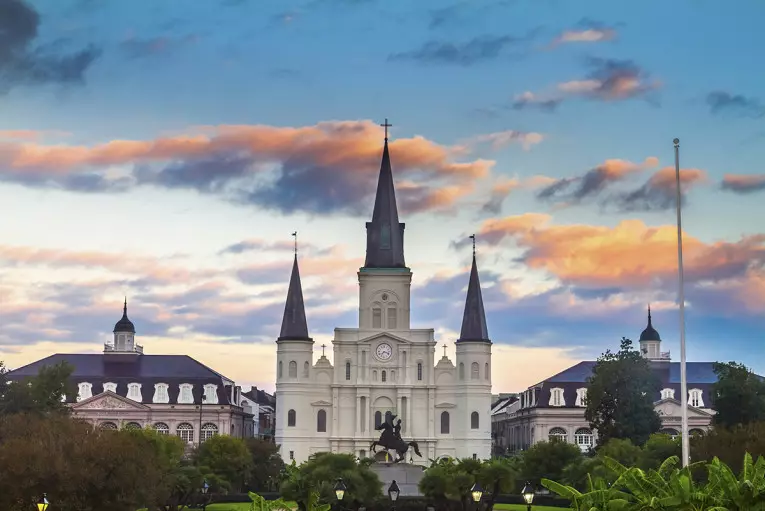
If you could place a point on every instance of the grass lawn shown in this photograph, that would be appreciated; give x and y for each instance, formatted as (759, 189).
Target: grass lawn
(498, 507)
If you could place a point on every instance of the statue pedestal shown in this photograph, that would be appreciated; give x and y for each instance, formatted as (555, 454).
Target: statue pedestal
(407, 477)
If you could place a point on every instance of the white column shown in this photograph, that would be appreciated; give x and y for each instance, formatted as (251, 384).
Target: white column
(409, 427)
(359, 413)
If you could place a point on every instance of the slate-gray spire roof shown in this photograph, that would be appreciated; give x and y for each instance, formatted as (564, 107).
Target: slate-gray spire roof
(124, 324)
(385, 234)
(294, 324)
(474, 319)
(650, 333)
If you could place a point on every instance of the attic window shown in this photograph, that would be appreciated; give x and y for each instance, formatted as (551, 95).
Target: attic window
(160, 393)
(581, 397)
(211, 394)
(185, 396)
(134, 392)
(695, 399)
(668, 393)
(556, 397)
(110, 387)
(85, 391)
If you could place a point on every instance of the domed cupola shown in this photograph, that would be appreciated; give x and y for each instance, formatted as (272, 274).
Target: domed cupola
(650, 342)
(650, 333)
(124, 325)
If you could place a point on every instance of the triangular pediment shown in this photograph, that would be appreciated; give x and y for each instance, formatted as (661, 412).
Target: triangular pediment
(108, 400)
(671, 407)
(385, 335)
(321, 403)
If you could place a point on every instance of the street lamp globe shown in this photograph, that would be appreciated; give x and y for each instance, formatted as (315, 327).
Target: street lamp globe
(340, 489)
(393, 491)
(477, 492)
(528, 493)
(42, 504)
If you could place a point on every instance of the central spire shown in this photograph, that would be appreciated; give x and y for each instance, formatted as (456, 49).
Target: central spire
(385, 234)
(294, 324)
(474, 318)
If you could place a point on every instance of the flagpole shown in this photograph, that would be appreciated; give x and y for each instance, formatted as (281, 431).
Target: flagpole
(681, 297)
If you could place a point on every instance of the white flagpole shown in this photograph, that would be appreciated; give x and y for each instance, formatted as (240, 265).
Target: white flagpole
(681, 297)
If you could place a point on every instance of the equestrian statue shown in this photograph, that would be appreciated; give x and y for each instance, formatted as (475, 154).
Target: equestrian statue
(390, 438)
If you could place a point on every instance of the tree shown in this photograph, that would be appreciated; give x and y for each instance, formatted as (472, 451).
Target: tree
(227, 457)
(658, 448)
(319, 474)
(548, 459)
(267, 465)
(621, 450)
(738, 395)
(730, 444)
(40, 394)
(619, 396)
(451, 480)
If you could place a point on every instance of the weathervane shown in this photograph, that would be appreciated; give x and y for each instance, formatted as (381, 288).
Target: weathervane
(386, 126)
(294, 235)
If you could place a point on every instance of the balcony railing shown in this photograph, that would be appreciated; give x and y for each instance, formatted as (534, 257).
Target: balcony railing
(109, 347)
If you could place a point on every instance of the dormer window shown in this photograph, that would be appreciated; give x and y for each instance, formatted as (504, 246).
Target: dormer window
(134, 392)
(695, 399)
(161, 394)
(185, 396)
(110, 387)
(211, 394)
(668, 393)
(581, 397)
(556, 397)
(85, 390)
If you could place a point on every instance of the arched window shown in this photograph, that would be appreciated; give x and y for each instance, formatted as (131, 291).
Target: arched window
(209, 430)
(462, 371)
(474, 371)
(392, 321)
(374, 375)
(279, 371)
(557, 434)
(388, 416)
(444, 423)
(185, 432)
(108, 425)
(419, 371)
(347, 370)
(383, 376)
(378, 419)
(321, 421)
(306, 369)
(376, 317)
(486, 370)
(291, 419)
(133, 425)
(293, 369)
(584, 439)
(474, 418)
(694, 433)
(162, 428)
(673, 433)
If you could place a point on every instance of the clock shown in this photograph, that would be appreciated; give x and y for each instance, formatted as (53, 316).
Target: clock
(384, 351)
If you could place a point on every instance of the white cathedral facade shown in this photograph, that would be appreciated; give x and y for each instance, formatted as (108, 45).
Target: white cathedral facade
(384, 367)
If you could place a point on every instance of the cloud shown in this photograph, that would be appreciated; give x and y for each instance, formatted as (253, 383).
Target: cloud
(608, 80)
(476, 50)
(743, 183)
(721, 102)
(586, 31)
(502, 139)
(22, 62)
(567, 191)
(327, 168)
(504, 186)
(659, 192)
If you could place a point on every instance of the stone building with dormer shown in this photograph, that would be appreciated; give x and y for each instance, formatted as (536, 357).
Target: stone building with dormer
(123, 387)
(554, 407)
(383, 367)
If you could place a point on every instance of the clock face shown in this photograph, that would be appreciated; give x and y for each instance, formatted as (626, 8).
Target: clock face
(384, 351)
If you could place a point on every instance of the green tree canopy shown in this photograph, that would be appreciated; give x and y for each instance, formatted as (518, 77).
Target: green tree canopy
(40, 394)
(267, 465)
(548, 459)
(228, 458)
(620, 396)
(738, 395)
(450, 479)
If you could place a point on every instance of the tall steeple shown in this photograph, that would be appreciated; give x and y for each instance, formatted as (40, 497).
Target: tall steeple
(474, 319)
(385, 234)
(294, 324)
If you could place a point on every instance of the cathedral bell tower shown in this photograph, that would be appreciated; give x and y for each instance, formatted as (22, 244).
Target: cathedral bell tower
(385, 280)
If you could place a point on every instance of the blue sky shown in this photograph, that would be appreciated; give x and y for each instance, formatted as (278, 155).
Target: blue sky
(166, 150)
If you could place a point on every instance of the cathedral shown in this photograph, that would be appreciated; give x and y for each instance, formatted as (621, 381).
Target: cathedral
(383, 367)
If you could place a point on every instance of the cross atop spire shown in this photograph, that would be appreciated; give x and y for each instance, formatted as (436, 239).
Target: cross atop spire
(472, 237)
(322, 349)
(294, 235)
(444, 350)
(386, 126)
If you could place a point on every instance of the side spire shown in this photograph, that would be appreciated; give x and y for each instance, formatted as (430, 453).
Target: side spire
(474, 318)
(294, 324)
(385, 234)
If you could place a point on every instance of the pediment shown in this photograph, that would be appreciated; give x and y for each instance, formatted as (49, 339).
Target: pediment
(321, 403)
(109, 401)
(446, 405)
(385, 335)
(671, 407)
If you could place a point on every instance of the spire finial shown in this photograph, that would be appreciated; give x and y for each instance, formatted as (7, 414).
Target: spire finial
(124, 307)
(294, 235)
(649, 313)
(322, 349)
(472, 237)
(386, 126)
(444, 350)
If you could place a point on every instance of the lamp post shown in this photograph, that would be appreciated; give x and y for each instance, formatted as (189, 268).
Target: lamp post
(42, 504)
(528, 495)
(393, 493)
(340, 490)
(476, 492)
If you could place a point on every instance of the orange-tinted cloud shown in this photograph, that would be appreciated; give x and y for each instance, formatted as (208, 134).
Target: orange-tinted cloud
(743, 183)
(660, 191)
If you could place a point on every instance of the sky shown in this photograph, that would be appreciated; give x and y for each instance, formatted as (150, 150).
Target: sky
(166, 150)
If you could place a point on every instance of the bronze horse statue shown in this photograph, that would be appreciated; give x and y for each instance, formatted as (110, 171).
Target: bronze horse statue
(391, 439)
